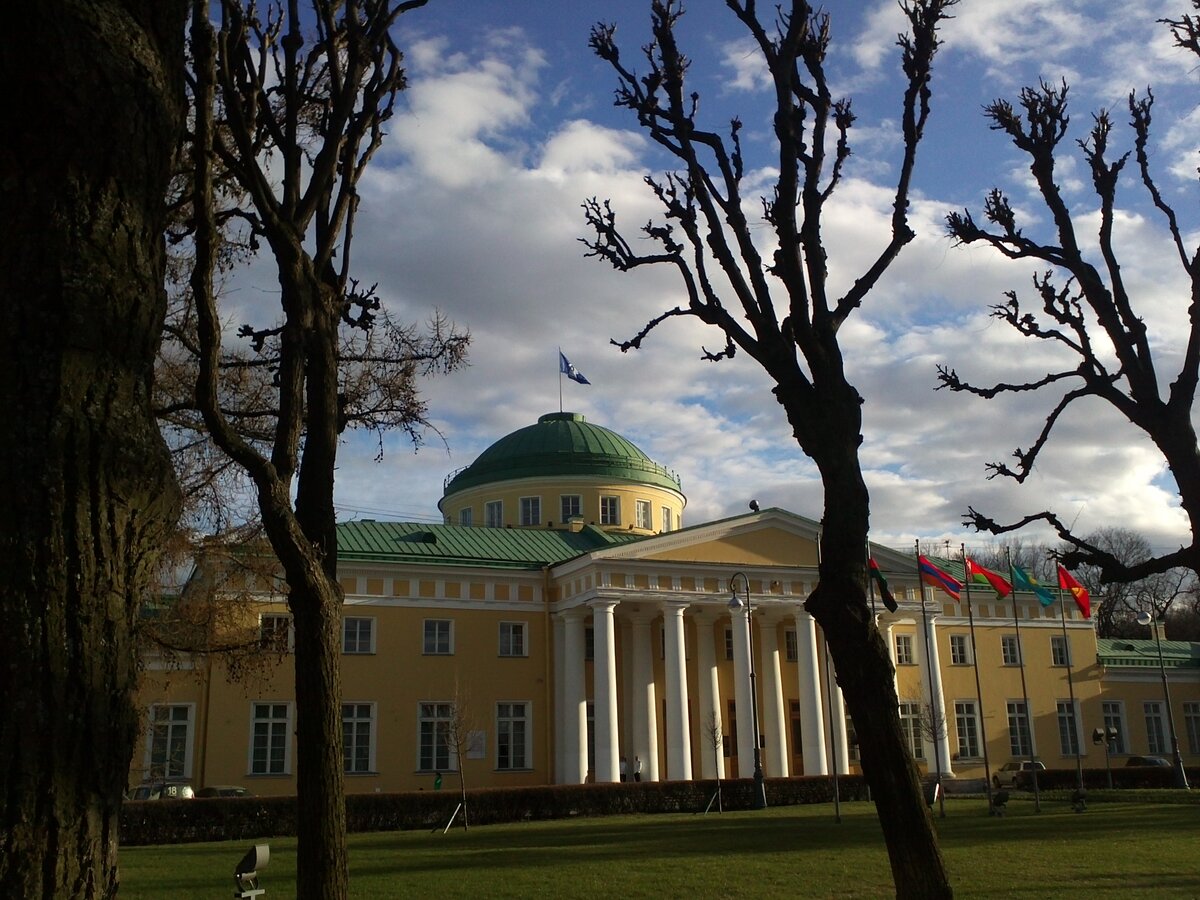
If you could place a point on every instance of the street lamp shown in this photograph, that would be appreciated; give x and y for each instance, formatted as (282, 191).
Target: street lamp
(736, 603)
(1144, 618)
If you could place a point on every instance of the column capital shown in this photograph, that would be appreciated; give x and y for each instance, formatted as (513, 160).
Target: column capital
(603, 603)
(675, 607)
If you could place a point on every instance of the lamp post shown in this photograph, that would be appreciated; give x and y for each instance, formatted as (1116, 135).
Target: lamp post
(1144, 618)
(736, 603)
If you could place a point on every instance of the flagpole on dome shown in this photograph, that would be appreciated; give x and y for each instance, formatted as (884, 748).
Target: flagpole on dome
(987, 768)
(934, 725)
(1037, 796)
(560, 374)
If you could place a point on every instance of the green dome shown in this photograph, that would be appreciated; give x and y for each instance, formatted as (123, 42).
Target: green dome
(561, 444)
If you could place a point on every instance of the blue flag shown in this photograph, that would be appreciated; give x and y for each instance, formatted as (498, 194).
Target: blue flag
(566, 368)
(1022, 580)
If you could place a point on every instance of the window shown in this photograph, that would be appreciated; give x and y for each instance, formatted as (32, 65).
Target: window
(1114, 717)
(1191, 720)
(797, 733)
(729, 643)
(572, 507)
(512, 736)
(589, 642)
(960, 650)
(1060, 651)
(1020, 742)
(358, 743)
(667, 520)
(591, 739)
(169, 750)
(644, 514)
(966, 721)
(466, 516)
(791, 645)
(512, 639)
(531, 510)
(904, 650)
(851, 739)
(358, 635)
(1010, 650)
(439, 637)
(275, 632)
(610, 510)
(270, 739)
(433, 753)
(493, 514)
(910, 727)
(1156, 741)
(1068, 728)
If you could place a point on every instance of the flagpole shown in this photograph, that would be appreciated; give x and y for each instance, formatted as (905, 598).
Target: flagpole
(1062, 613)
(560, 407)
(934, 725)
(987, 768)
(1037, 797)
(870, 581)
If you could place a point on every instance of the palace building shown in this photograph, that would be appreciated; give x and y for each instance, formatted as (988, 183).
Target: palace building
(567, 622)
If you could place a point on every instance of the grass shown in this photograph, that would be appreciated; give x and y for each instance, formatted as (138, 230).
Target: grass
(1125, 850)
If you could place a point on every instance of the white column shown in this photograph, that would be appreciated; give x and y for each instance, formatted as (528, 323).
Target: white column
(931, 670)
(739, 623)
(604, 691)
(560, 705)
(772, 710)
(837, 713)
(645, 699)
(891, 645)
(812, 723)
(574, 727)
(679, 745)
(708, 700)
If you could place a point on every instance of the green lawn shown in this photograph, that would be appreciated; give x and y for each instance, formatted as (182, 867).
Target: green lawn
(1125, 850)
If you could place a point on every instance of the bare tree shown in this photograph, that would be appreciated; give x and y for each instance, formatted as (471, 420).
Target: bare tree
(716, 740)
(778, 309)
(1087, 311)
(290, 105)
(94, 104)
(462, 737)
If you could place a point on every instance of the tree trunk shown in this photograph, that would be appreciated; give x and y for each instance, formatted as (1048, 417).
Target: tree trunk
(94, 104)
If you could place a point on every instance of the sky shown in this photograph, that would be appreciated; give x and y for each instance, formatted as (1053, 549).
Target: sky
(473, 207)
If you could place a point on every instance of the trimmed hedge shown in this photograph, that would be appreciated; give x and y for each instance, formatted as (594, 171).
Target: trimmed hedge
(1122, 777)
(247, 818)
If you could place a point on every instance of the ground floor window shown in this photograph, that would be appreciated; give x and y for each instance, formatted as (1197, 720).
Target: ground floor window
(270, 739)
(910, 727)
(1068, 728)
(512, 735)
(1020, 742)
(966, 722)
(433, 751)
(1191, 722)
(1156, 733)
(358, 746)
(1114, 718)
(170, 741)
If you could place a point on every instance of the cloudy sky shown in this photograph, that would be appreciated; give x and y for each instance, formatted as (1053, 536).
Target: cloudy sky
(473, 208)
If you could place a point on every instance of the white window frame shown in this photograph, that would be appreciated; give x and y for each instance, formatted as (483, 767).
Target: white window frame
(466, 516)
(1191, 725)
(610, 509)
(960, 650)
(510, 647)
(268, 634)
(433, 722)
(1010, 650)
(531, 511)
(910, 728)
(493, 514)
(358, 724)
(644, 512)
(1020, 734)
(668, 519)
(434, 647)
(508, 717)
(358, 622)
(728, 643)
(1156, 726)
(279, 731)
(791, 645)
(904, 650)
(1067, 716)
(966, 726)
(570, 506)
(1060, 651)
(1114, 717)
(169, 725)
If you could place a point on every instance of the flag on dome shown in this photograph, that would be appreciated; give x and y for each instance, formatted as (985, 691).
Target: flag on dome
(565, 367)
(932, 575)
(1026, 582)
(1083, 599)
(885, 593)
(978, 573)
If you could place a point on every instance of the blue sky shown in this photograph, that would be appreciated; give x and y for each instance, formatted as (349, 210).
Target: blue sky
(473, 207)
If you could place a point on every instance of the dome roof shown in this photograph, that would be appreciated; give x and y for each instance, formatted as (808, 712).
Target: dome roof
(561, 444)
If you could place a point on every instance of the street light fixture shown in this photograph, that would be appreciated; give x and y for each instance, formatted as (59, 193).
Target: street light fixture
(736, 603)
(1144, 618)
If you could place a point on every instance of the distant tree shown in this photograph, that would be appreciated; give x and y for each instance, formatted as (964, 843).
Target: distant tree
(93, 108)
(768, 293)
(289, 107)
(1087, 310)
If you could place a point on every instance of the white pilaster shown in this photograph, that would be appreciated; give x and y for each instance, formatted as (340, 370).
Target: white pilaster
(604, 691)
(679, 745)
(574, 726)
(812, 724)
(645, 699)
(708, 690)
(740, 625)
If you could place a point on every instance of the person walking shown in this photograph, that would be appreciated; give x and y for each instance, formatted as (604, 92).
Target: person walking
(637, 769)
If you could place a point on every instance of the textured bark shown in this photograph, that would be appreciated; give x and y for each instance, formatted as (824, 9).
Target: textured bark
(93, 103)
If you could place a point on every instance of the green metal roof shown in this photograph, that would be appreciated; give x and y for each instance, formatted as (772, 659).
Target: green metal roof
(1144, 653)
(561, 444)
(517, 548)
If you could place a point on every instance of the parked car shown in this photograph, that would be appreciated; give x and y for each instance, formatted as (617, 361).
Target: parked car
(162, 789)
(1017, 774)
(223, 790)
(1155, 761)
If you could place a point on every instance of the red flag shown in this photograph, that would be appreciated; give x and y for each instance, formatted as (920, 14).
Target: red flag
(932, 575)
(976, 572)
(1082, 599)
